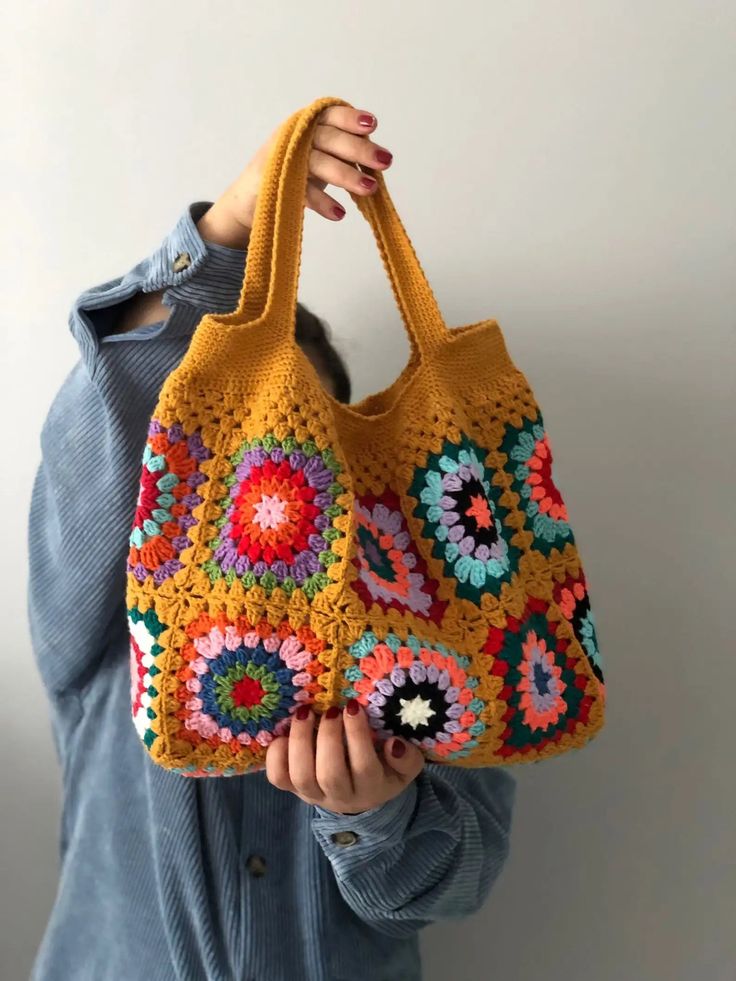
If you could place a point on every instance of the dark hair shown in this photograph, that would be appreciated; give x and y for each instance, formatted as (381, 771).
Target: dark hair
(314, 335)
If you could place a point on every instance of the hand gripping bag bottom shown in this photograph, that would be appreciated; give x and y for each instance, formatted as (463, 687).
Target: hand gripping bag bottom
(411, 551)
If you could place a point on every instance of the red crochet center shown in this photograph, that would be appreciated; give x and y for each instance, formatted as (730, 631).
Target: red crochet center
(290, 486)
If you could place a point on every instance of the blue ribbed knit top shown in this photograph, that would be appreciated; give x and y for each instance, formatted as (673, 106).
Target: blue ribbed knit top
(168, 878)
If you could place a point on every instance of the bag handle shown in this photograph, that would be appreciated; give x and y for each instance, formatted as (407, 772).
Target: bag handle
(270, 285)
(256, 284)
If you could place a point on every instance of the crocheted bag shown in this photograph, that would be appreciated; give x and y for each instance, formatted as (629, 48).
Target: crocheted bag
(411, 551)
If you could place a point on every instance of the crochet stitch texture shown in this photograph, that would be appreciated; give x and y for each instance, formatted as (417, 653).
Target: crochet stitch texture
(411, 551)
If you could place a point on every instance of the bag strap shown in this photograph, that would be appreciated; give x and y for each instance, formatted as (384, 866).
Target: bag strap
(270, 284)
(257, 280)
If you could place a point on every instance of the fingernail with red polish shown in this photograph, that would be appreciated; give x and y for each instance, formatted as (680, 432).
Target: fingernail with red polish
(398, 748)
(353, 707)
(332, 712)
(368, 182)
(338, 211)
(365, 119)
(384, 157)
(302, 712)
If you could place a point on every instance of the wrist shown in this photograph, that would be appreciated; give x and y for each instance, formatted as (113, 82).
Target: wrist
(219, 226)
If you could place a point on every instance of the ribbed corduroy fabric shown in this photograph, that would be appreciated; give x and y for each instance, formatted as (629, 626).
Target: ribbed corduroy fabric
(164, 877)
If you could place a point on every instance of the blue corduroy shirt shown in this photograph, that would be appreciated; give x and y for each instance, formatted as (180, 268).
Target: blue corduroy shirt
(169, 878)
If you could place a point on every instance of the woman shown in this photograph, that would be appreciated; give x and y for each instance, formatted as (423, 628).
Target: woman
(316, 868)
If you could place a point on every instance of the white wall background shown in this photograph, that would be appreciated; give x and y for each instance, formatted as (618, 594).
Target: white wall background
(566, 166)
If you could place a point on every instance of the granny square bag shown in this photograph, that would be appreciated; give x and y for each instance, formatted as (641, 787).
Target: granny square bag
(411, 551)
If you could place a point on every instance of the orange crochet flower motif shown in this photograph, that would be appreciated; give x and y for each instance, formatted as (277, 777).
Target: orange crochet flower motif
(274, 515)
(166, 498)
(277, 526)
(241, 681)
(544, 683)
(480, 510)
(541, 684)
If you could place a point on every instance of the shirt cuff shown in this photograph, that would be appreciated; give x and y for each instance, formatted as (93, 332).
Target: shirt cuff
(213, 279)
(203, 276)
(351, 840)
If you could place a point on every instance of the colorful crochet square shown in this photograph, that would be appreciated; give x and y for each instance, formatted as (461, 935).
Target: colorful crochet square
(424, 693)
(543, 687)
(391, 571)
(145, 629)
(278, 523)
(529, 463)
(240, 682)
(572, 598)
(462, 514)
(166, 498)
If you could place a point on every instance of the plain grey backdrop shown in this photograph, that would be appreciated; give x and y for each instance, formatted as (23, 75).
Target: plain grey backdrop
(564, 166)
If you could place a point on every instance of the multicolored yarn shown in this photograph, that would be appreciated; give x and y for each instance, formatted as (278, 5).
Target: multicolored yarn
(278, 527)
(574, 602)
(530, 465)
(239, 681)
(425, 694)
(145, 628)
(391, 571)
(463, 516)
(167, 496)
(543, 686)
(411, 551)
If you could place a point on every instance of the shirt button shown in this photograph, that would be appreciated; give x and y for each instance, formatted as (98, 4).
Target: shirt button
(344, 838)
(182, 261)
(256, 866)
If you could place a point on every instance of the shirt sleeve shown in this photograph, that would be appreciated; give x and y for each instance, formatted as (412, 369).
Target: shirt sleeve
(196, 277)
(92, 440)
(431, 853)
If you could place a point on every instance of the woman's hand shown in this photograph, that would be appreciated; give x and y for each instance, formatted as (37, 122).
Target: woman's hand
(341, 770)
(341, 140)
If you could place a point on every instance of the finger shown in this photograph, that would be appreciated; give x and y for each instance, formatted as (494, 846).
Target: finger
(333, 773)
(402, 760)
(329, 169)
(277, 764)
(351, 148)
(349, 119)
(365, 764)
(301, 755)
(323, 203)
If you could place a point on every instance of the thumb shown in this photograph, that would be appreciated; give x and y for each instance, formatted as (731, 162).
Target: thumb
(402, 757)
